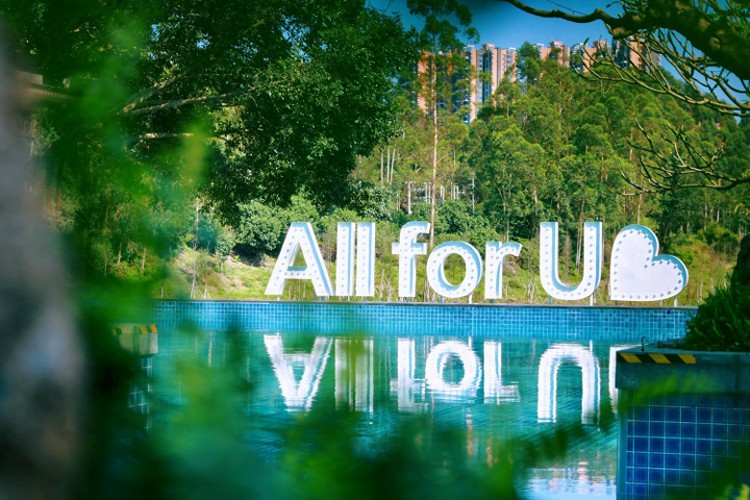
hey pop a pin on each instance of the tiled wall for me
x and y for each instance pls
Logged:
(668, 445)
(140, 392)
(538, 322)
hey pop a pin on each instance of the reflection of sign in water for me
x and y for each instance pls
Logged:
(494, 389)
(549, 366)
(298, 395)
(466, 388)
(451, 371)
(354, 374)
(636, 272)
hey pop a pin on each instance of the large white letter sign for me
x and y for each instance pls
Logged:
(365, 258)
(407, 249)
(345, 259)
(637, 274)
(300, 237)
(494, 255)
(436, 269)
(592, 262)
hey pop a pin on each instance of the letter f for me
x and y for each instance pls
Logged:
(407, 249)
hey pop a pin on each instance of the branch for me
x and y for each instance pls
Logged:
(222, 99)
(683, 166)
(711, 32)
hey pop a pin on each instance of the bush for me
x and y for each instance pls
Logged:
(261, 230)
(722, 322)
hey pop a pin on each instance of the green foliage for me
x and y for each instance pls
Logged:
(529, 63)
(456, 218)
(722, 322)
(212, 235)
(155, 96)
(261, 230)
(370, 201)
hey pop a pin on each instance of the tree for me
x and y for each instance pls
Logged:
(706, 43)
(443, 64)
(509, 175)
(529, 63)
(230, 101)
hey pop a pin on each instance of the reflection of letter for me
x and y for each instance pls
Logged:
(436, 269)
(407, 387)
(592, 262)
(300, 237)
(612, 367)
(495, 253)
(298, 396)
(549, 364)
(435, 371)
(365, 259)
(494, 390)
(406, 249)
(354, 374)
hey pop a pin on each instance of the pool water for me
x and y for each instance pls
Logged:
(517, 377)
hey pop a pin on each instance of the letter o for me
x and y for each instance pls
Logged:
(436, 269)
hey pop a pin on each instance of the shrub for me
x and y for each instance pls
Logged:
(722, 322)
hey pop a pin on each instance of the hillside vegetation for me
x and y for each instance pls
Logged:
(559, 148)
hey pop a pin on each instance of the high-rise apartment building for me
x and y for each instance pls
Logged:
(632, 53)
(582, 57)
(491, 64)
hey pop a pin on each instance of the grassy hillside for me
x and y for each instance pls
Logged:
(200, 275)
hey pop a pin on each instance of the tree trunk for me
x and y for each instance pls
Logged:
(433, 93)
(41, 357)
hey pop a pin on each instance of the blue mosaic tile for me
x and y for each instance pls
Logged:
(703, 414)
(703, 430)
(525, 321)
(672, 429)
(671, 477)
(687, 446)
(687, 431)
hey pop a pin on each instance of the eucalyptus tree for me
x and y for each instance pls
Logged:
(706, 44)
(442, 65)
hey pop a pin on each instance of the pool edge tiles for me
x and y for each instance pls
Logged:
(494, 320)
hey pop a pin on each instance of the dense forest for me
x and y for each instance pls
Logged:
(181, 170)
(558, 147)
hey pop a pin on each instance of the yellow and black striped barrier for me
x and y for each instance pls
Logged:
(142, 329)
(656, 358)
(140, 339)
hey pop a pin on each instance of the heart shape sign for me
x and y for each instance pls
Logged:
(637, 274)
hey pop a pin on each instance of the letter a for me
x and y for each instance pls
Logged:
(300, 237)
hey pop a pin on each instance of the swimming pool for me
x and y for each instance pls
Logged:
(490, 369)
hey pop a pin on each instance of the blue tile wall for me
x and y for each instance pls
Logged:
(668, 445)
(502, 320)
(140, 392)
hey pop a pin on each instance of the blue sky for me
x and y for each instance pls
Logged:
(506, 26)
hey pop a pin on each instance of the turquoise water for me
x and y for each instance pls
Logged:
(494, 385)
